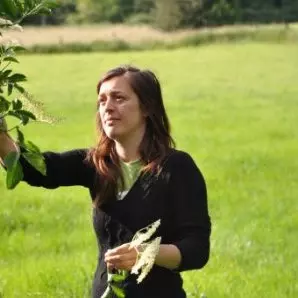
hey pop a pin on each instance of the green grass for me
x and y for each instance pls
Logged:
(234, 107)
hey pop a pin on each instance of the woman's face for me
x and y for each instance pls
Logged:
(120, 110)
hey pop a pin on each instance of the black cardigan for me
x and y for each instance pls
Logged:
(177, 196)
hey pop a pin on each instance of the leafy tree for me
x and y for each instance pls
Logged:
(114, 11)
(168, 15)
(143, 6)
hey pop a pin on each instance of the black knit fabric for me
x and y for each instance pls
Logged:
(176, 195)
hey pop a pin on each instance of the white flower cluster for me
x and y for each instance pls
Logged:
(36, 108)
(147, 250)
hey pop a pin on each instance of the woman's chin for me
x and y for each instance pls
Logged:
(113, 134)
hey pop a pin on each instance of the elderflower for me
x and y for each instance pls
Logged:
(144, 234)
(147, 259)
(36, 108)
(149, 250)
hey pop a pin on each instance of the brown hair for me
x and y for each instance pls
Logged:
(155, 144)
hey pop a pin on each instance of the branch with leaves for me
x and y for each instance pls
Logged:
(15, 101)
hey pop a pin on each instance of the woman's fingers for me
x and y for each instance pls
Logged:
(124, 248)
(121, 257)
(122, 265)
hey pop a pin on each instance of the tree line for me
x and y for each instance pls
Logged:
(171, 14)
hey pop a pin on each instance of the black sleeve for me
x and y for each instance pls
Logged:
(192, 224)
(62, 169)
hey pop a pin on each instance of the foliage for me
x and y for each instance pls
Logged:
(93, 11)
(173, 14)
(168, 14)
(22, 106)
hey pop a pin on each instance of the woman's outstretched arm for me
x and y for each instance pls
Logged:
(62, 169)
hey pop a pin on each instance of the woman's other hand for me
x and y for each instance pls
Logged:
(122, 257)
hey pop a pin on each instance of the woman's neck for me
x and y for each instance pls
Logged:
(127, 153)
(128, 149)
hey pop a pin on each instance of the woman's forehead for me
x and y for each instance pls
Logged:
(115, 84)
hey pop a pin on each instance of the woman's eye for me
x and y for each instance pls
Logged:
(101, 101)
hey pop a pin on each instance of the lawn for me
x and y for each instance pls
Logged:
(233, 107)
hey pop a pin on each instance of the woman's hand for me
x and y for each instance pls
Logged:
(3, 125)
(7, 145)
(122, 257)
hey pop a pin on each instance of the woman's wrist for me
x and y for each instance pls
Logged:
(169, 256)
(7, 145)
(3, 125)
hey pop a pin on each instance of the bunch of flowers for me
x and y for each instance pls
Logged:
(147, 250)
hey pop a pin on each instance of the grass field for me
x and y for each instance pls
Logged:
(233, 107)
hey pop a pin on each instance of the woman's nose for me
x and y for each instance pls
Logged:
(109, 104)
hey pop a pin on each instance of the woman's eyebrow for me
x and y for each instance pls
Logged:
(111, 92)
(116, 92)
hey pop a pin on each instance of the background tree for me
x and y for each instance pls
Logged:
(170, 14)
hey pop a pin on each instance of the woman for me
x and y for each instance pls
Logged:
(135, 177)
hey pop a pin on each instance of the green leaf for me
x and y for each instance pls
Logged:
(10, 7)
(17, 114)
(4, 104)
(5, 73)
(19, 48)
(11, 59)
(14, 172)
(37, 161)
(17, 77)
(20, 136)
(17, 104)
(27, 114)
(51, 4)
(118, 277)
(23, 115)
(32, 147)
(9, 88)
(19, 88)
(20, 6)
(29, 4)
(118, 291)
(44, 10)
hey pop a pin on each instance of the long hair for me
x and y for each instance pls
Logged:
(155, 144)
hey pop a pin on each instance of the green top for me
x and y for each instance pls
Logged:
(130, 172)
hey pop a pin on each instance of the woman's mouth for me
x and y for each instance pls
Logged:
(111, 121)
